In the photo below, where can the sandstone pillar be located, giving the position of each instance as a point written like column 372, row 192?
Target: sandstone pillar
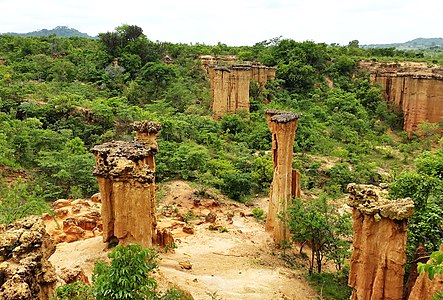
column 241, row 92
column 379, row 244
column 283, row 126
column 125, row 173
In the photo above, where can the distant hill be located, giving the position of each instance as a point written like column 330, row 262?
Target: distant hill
column 61, row 31
column 419, row 43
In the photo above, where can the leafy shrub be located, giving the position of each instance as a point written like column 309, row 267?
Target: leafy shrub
column 320, row 224
column 74, row 291
column 425, row 186
column 127, row 277
column 340, row 175
column 258, row 214
column 237, row 185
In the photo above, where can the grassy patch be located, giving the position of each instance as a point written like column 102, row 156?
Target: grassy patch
column 330, row 286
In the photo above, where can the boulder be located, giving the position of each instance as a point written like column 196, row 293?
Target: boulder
column 25, row 272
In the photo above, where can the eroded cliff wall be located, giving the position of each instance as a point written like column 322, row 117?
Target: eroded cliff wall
column 379, row 244
column 284, row 182
column 414, row 88
column 230, row 85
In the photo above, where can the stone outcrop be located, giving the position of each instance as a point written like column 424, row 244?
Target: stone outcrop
column 413, row 88
column 379, row 244
column 424, row 288
column 125, row 173
column 284, row 182
column 25, row 272
column 74, row 219
column 230, row 83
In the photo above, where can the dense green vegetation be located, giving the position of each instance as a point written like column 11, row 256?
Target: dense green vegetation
column 61, row 96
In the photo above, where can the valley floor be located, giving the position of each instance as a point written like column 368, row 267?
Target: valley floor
column 235, row 261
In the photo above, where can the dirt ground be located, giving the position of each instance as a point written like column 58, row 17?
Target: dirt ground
column 231, row 257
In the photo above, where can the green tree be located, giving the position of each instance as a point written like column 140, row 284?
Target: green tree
column 425, row 186
column 433, row 267
column 323, row 227
column 158, row 75
column 237, row 184
column 68, row 172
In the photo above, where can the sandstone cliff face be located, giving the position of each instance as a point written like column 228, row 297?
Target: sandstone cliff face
column 424, row 288
column 283, row 126
column 414, row 88
column 25, row 272
column 230, row 85
column 379, row 244
column 125, row 173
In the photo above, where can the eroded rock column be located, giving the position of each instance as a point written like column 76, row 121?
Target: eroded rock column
column 125, row 173
column 283, row 126
column 379, row 244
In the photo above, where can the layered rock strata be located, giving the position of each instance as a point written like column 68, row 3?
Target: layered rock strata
column 284, row 184
column 125, row 173
column 25, row 272
column 230, row 85
column 379, row 244
column 413, row 88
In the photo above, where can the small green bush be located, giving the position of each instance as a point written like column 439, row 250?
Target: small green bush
column 258, row 214
column 127, row 277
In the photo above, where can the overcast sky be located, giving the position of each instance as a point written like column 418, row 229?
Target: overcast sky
column 235, row 22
